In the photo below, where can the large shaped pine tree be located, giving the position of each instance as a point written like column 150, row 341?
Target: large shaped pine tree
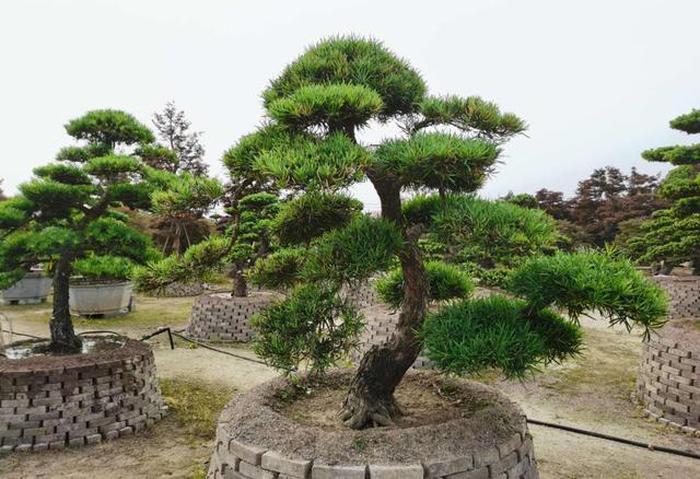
column 449, row 145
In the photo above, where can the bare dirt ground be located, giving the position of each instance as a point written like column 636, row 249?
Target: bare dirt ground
column 591, row 392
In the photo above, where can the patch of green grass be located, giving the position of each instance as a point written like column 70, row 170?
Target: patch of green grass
column 196, row 406
column 606, row 363
column 199, row 471
column 150, row 312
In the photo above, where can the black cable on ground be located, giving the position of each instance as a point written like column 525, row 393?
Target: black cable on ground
column 15, row 333
column 228, row 353
column 621, row 440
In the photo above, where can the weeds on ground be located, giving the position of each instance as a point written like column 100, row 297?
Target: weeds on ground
column 195, row 405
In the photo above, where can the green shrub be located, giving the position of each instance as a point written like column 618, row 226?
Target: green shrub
column 312, row 327
column 493, row 234
column 445, row 282
column 103, row 268
column 280, row 269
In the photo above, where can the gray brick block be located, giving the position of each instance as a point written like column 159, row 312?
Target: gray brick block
column 396, row 472
column 293, row 467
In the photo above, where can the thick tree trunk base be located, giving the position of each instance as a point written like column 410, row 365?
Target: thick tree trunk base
column 361, row 411
column 66, row 345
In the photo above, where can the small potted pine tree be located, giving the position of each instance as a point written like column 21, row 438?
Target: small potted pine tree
column 329, row 423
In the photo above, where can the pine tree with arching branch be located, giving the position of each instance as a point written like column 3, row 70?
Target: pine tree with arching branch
column 450, row 145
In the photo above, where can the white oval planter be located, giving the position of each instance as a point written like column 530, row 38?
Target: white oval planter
column 107, row 299
column 33, row 288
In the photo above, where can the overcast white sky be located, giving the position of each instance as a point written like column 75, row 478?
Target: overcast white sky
column 597, row 81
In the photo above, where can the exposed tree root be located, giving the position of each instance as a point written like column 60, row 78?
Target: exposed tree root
column 359, row 412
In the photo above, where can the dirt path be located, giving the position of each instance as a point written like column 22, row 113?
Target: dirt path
column 591, row 392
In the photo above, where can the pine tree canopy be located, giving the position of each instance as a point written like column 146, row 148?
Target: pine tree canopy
column 672, row 235
column 109, row 127
column 353, row 61
column 67, row 208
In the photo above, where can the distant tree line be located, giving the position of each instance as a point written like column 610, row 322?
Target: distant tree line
column 608, row 206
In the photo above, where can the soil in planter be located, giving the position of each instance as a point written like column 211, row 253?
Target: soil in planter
column 442, row 418
column 423, row 401
column 34, row 348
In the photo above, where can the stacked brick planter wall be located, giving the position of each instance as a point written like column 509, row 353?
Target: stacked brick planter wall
column 364, row 295
column 380, row 323
column 683, row 294
column 222, row 317
column 56, row 401
column 236, row 457
column 181, row 290
column 669, row 381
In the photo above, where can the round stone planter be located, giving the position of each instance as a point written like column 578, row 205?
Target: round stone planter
column 50, row 402
column 683, row 293
column 32, row 289
column 254, row 440
column 101, row 298
column 222, row 317
column 669, row 381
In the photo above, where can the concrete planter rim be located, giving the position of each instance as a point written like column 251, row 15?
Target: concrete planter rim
column 251, row 408
column 91, row 283
column 60, row 363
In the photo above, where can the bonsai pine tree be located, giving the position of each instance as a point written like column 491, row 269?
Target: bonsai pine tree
column 65, row 217
column 672, row 235
column 250, row 203
column 317, row 109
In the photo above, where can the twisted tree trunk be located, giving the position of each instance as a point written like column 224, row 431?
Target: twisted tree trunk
column 63, row 337
column 370, row 401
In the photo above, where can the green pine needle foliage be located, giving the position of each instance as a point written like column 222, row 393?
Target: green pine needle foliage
column 329, row 105
column 304, row 218
column 591, row 281
column 103, row 268
column 313, row 327
column 365, row 246
column 353, row 61
column 280, row 269
column 492, row 234
column 331, row 163
column 472, row 113
column 470, row 336
column 108, row 127
column 439, row 161
column 445, row 281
